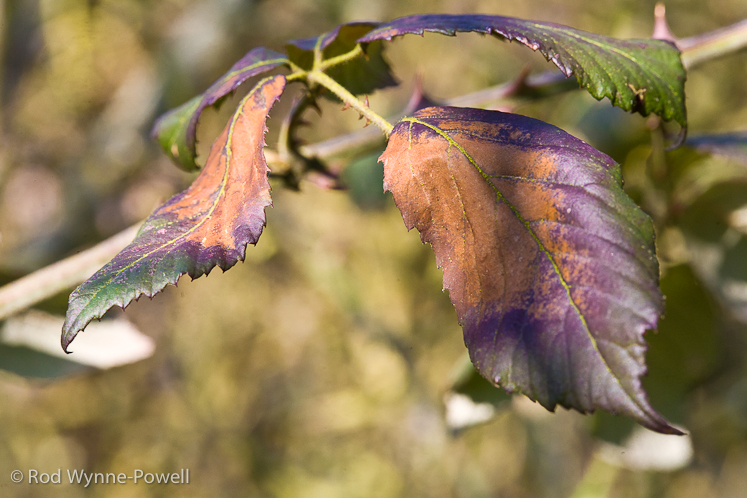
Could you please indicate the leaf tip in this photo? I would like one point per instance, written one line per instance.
(68, 334)
(678, 140)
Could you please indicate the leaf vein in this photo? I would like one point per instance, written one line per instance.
(227, 149)
(521, 219)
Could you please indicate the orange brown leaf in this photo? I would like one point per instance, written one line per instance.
(549, 264)
(207, 225)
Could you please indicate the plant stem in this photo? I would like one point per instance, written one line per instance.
(284, 137)
(340, 59)
(318, 54)
(707, 46)
(354, 142)
(48, 281)
(368, 139)
(322, 79)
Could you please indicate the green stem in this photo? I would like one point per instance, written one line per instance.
(318, 54)
(340, 59)
(369, 139)
(296, 74)
(322, 79)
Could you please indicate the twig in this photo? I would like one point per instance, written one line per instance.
(707, 46)
(532, 87)
(45, 283)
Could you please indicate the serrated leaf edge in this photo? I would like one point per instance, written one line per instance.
(67, 335)
(646, 410)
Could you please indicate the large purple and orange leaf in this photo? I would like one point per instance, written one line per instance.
(549, 264)
(176, 130)
(207, 225)
(643, 75)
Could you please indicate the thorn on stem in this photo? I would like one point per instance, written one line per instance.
(661, 26)
(520, 82)
(418, 99)
(315, 105)
(324, 182)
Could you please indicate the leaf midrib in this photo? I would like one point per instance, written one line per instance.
(539, 243)
(224, 181)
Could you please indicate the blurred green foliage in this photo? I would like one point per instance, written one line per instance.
(319, 367)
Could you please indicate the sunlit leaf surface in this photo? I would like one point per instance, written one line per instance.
(643, 75)
(207, 225)
(549, 264)
(176, 130)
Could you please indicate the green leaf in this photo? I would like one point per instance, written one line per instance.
(477, 388)
(687, 350)
(363, 178)
(360, 76)
(645, 76)
(207, 225)
(715, 227)
(550, 265)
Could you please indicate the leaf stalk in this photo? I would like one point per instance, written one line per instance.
(316, 76)
(340, 59)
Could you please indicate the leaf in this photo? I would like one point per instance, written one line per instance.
(715, 228)
(360, 76)
(176, 130)
(363, 178)
(688, 349)
(208, 224)
(549, 264)
(342, 39)
(645, 76)
(477, 388)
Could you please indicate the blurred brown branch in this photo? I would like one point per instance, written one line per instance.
(50, 280)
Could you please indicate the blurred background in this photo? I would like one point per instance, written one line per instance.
(330, 363)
